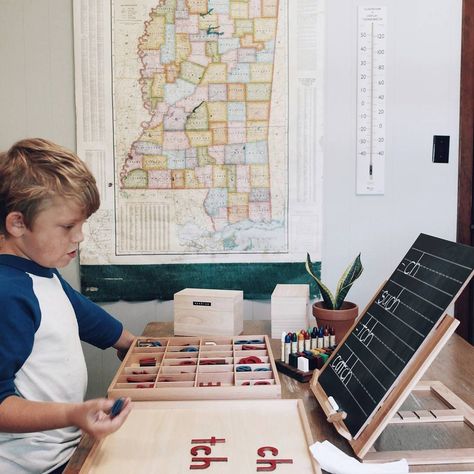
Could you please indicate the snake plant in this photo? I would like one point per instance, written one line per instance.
(350, 275)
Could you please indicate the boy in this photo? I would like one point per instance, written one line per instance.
(46, 194)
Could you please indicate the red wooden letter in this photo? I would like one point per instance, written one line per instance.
(261, 451)
(271, 463)
(206, 462)
(195, 450)
(212, 441)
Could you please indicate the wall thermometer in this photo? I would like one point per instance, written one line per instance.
(371, 57)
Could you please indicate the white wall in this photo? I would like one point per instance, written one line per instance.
(422, 100)
(423, 62)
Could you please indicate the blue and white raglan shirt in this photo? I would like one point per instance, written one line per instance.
(42, 321)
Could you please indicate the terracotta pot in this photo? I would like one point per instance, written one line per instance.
(340, 319)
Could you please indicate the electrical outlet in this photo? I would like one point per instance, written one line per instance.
(440, 149)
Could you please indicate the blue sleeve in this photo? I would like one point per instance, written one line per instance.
(19, 320)
(96, 326)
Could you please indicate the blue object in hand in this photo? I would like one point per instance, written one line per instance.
(117, 407)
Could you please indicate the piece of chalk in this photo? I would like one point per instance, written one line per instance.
(117, 407)
(333, 403)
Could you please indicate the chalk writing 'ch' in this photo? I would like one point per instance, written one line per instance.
(411, 268)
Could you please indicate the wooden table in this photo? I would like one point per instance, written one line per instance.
(454, 367)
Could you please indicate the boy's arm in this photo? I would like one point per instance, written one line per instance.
(96, 326)
(18, 415)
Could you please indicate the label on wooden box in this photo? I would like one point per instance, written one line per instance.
(289, 309)
(201, 312)
(223, 436)
(186, 368)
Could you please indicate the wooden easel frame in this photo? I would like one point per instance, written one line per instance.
(387, 413)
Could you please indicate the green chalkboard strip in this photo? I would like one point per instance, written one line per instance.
(105, 283)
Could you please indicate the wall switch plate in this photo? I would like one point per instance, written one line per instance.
(440, 149)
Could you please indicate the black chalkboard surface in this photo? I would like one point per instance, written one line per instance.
(367, 364)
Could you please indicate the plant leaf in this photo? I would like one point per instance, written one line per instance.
(326, 294)
(350, 275)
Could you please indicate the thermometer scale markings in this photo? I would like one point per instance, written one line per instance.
(371, 101)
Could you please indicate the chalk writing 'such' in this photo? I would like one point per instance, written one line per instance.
(367, 365)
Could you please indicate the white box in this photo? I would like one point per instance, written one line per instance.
(206, 312)
(289, 309)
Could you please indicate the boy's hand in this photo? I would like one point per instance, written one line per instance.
(93, 417)
(121, 354)
(123, 343)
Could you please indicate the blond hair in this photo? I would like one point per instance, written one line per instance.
(34, 171)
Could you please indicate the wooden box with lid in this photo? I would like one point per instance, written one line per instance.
(203, 312)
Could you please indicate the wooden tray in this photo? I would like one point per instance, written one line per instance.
(197, 368)
(228, 436)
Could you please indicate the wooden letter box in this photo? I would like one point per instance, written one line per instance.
(202, 312)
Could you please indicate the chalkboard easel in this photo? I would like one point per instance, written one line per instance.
(360, 389)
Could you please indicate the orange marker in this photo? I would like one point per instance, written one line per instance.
(301, 341)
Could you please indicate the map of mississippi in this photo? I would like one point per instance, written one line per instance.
(207, 70)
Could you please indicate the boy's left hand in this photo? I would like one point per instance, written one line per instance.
(93, 417)
(123, 343)
(121, 354)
